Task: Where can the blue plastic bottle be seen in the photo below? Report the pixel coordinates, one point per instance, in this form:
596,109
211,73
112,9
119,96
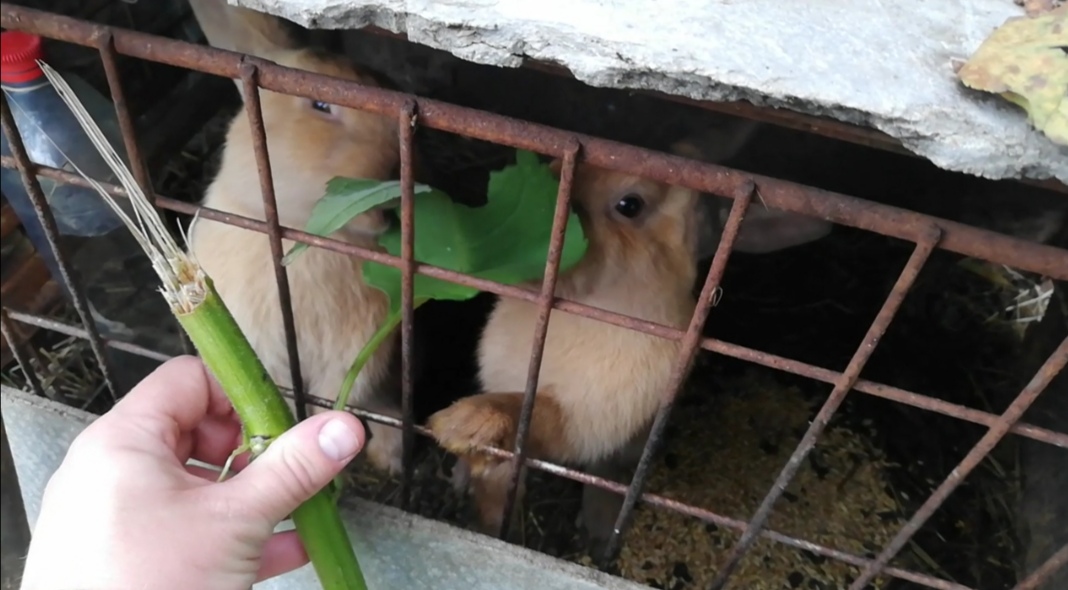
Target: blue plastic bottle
106,259
53,137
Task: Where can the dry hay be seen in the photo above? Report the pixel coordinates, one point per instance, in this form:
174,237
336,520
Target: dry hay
725,457
65,365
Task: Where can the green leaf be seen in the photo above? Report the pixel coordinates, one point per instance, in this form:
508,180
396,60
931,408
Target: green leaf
346,198
506,240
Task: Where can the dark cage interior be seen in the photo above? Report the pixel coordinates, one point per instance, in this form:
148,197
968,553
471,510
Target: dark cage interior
784,325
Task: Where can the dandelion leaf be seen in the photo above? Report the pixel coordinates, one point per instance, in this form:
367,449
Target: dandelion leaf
1026,62
506,240
346,198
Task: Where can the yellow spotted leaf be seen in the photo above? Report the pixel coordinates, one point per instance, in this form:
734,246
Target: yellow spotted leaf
1025,61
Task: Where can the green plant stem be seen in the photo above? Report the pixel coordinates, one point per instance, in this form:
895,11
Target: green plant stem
365,354
263,412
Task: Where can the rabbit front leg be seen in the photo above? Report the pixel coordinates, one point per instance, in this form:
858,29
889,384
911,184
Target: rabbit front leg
492,419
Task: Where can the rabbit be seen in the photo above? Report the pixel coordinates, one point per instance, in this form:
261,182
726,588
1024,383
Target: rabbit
600,385
310,142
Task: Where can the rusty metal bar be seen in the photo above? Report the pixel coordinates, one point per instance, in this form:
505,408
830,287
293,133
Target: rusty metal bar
845,382
1043,573
541,328
51,231
76,332
719,180
105,43
872,388
829,376
406,129
11,335
249,75
687,353
1053,365
135,158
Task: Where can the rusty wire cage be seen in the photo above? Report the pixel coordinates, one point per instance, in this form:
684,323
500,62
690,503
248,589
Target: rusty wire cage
924,233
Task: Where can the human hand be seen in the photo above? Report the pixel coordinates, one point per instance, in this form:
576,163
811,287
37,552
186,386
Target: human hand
124,511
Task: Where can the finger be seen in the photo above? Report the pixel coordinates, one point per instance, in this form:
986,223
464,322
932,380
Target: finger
172,399
297,465
283,553
214,439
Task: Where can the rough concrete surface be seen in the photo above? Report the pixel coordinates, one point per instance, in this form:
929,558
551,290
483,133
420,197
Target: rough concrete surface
878,63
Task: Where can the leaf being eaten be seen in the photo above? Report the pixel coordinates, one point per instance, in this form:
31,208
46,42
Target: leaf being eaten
346,198
506,240
1026,62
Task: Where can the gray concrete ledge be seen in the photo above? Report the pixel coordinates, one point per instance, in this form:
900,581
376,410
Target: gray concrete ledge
877,63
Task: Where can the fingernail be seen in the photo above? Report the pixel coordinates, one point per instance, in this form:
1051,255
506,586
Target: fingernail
338,441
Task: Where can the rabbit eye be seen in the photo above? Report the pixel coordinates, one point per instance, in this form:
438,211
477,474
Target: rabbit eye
630,206
321,106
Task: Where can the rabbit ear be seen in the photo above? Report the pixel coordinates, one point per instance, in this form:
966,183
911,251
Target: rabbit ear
768,230
718,142
242,29
763,230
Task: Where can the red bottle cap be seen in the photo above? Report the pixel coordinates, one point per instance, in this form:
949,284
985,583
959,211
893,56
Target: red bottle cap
18,54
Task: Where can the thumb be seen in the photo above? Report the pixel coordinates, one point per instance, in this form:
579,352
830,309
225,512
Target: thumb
298,464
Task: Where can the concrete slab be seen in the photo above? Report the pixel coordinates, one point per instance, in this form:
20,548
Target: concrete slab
876,63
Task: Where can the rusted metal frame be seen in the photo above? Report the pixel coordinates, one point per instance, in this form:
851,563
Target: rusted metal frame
705,177
1053,365
924,247
673,505
562,471
11,335
139,166
574,475
1047,569
711,344
406,128
48,223
688,348
76,332
541,328
249,74
105,43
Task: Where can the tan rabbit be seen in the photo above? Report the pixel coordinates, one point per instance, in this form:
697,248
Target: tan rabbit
309,143
600,385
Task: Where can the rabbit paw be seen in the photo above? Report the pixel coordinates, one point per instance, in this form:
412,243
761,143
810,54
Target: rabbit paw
471,422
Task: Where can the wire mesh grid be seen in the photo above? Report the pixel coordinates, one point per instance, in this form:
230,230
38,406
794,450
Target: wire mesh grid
926,233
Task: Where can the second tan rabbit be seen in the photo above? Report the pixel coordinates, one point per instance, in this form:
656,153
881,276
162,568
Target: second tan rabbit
601,385
309,142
